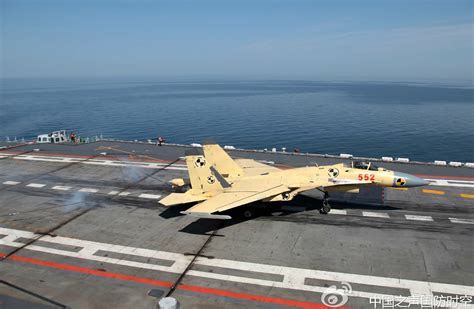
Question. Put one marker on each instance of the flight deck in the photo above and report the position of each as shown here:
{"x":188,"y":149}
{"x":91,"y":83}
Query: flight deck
{"x":81,"y":227}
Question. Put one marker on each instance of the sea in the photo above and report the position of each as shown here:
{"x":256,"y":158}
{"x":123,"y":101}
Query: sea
{"x":419,"y":121}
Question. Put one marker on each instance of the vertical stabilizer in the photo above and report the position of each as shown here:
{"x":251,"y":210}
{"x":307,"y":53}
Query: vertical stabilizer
{"x":200,"y":173}
{"x":217,"y":157}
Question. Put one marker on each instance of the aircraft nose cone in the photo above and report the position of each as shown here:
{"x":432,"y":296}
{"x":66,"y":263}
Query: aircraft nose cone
{"x":407,"y":180}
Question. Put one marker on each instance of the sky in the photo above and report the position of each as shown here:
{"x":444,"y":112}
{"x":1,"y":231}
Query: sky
{"x":406,"y":40}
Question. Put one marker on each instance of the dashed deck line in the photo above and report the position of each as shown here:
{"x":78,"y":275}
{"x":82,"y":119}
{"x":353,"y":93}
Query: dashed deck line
{"x":11,"y":183}
{"x":375,"y":214}
{"x":150,"y":196}
{"x":61,"y":188}
{"x":419,"y":218}
{"x":91,"y":190}
{"x":293,"y":278}
{"x":338,"y":212}
{"x":462,"y":221}
{"x":433,"y":192}
{"x":437,"y":192}
{"x":88,"y":190}
{"x":36,"y":185}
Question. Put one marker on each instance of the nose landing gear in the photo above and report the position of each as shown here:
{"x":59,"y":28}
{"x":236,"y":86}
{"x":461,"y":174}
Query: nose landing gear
{"x":326,"y":207}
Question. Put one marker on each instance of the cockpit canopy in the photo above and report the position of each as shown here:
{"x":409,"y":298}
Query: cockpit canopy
{"x":363,"y":165}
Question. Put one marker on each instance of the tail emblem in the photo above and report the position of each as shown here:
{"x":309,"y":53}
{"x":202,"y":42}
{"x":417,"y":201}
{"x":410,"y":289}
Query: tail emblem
{"x":200,"y":162}
{"x":333,"y":172}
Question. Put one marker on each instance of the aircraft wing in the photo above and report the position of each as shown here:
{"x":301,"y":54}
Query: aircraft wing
{"x":253,"y":168}
{"x":230,"y":199}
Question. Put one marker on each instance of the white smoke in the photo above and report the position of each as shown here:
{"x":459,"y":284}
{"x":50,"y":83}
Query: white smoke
{"x":132,"y":173}
{"x":75,"y":201}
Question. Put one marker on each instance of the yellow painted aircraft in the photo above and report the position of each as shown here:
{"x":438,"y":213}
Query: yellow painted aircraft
{"x":221,"y":183}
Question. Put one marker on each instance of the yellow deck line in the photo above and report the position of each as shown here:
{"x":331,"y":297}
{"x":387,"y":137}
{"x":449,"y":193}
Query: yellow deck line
{"x":467,"y":195}
{"x":433,"y":192}
{"x":401,"y":189}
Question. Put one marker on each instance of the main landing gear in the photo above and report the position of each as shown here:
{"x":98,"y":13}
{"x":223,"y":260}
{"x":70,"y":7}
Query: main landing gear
{"x":326,"y":207}
{"x":248,"y":213}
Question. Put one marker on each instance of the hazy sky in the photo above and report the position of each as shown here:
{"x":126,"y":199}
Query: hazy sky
{"x":352,"y":40}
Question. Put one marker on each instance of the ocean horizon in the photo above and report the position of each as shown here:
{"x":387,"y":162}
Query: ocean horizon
{"x":421,"y":120}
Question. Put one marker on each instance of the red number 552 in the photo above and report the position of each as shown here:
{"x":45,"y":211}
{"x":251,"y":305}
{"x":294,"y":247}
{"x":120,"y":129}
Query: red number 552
{"x":366,"y":177}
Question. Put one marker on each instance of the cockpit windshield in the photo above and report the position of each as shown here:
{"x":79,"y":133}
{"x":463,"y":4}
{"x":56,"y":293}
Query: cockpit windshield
{"x":364,"y":165}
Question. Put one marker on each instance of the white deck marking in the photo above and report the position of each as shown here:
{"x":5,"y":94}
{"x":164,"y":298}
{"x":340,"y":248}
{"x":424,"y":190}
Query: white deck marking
{"x":182,"y":167}
{"x":124,"y":193}
{"x":11,"y":183}
{"x":375,"y":214}
{"x":88,"y":190}
{"x":338,"y":212}
{"x":90,"y":248}
{"x":150,"y":196}
{"x":293,"y":278}
{"x":418,"y":218}
{"x":141,"y":164}
{"x":44,"y":159}
{"x":59,"y":159}
{"x":451,"y":183}
{"x":113,"y":193}
{"x":438,"y":182}
{"x":61,"y":188}
{"x":36,"y":185}
{"x":463,"y":221}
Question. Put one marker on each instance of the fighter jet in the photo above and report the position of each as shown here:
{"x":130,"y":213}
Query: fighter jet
{"x":220,"y":183}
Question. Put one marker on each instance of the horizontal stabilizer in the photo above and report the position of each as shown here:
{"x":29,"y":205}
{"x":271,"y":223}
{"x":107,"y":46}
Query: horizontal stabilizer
{"x":181,"y":198}
{"x":205,"y":215}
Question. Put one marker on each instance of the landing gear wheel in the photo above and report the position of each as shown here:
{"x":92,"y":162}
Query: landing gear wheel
{"x":326,"y":207}
{"x":248,"y":214}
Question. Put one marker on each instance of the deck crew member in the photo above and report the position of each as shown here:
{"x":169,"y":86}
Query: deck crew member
{"x":160,"y":141}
